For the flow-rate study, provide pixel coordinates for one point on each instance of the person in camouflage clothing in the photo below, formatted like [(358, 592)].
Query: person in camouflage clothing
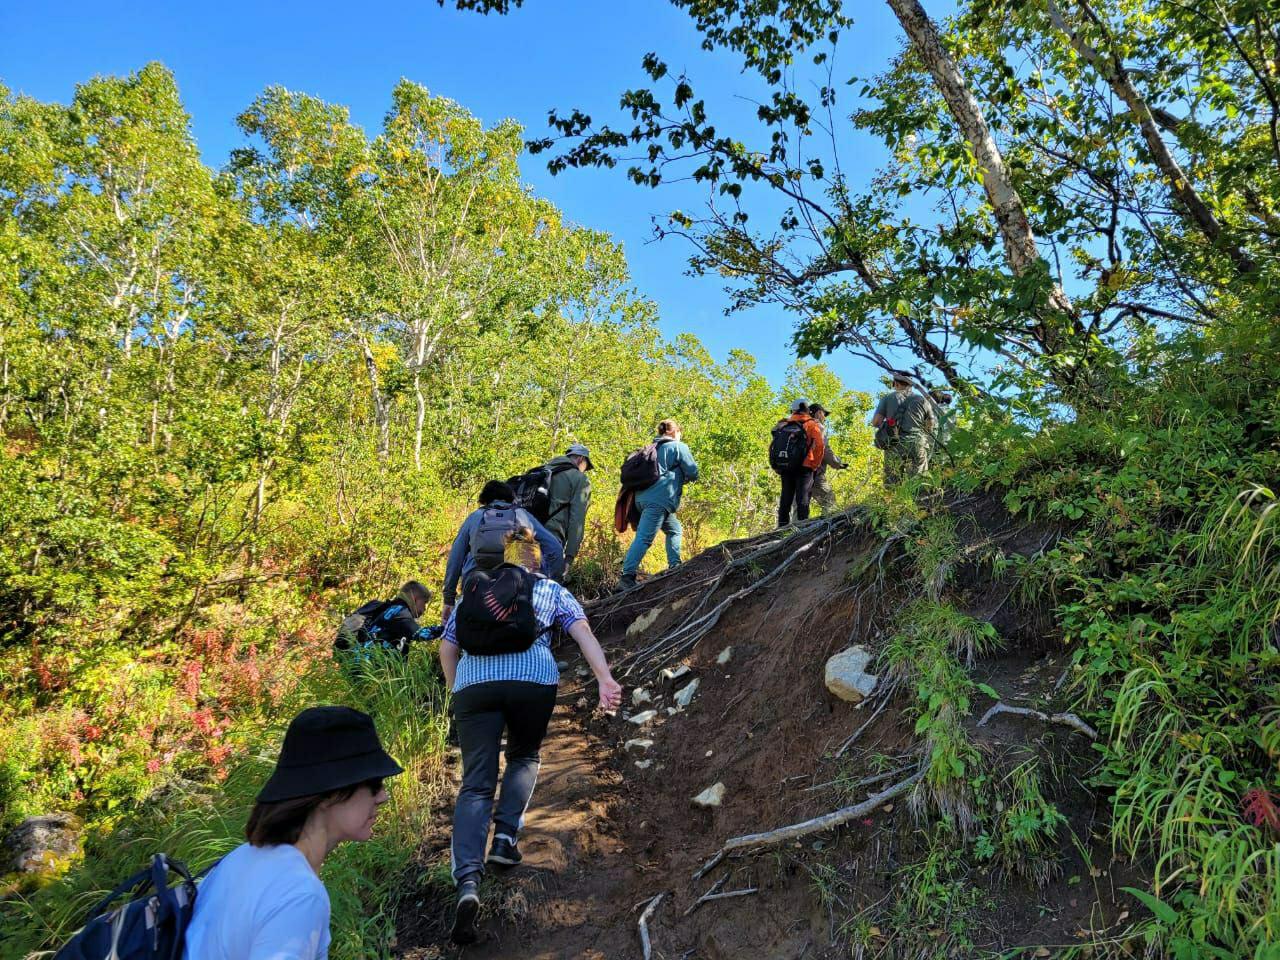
[(905, 425)]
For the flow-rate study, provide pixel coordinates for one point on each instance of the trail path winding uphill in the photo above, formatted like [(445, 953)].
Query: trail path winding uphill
[(610, 828)]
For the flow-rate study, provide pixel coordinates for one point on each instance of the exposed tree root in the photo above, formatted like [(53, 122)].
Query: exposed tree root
[(645, 944), (697, 624), (820, 824), (1066, 719)]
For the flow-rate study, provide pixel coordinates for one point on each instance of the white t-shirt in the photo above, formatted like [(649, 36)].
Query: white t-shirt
[(260, 903)]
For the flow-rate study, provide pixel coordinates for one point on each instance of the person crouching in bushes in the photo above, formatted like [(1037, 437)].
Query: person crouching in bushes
[(497, 660), (265, 898)]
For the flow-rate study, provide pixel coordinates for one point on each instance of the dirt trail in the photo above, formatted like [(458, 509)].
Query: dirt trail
[(609, 829)]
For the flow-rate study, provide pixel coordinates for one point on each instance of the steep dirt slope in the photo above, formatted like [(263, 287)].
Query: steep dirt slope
[(611, 828)]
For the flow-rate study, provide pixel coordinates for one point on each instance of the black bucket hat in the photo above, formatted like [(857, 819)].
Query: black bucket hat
[(325, 749)]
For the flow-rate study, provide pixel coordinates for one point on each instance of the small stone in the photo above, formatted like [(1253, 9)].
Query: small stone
[(640, 719), (713, 796), (640, 695), (562, 664), (888, 808), (644, 764), (847, 677), (676, 672), (38, 844), (643, 622), (638, 744), (681, 603), (725, 654), (672, 711), (684, 696), (710, 752), (582, 703), (584, 671)]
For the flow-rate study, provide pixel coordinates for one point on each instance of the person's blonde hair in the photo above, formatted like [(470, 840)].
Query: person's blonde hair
[(668, 427), (521, 548)]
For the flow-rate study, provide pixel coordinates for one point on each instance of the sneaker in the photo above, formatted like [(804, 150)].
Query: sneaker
[(504, 851), (464, 918), (627, 582)]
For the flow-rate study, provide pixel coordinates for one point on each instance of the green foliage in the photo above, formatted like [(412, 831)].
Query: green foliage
[(924, 651), (236, 404)]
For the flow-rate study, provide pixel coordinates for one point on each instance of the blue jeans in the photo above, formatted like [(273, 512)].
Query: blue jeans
[(651, 520)]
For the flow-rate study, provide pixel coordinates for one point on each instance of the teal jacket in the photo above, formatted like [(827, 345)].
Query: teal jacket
[(678, 468)]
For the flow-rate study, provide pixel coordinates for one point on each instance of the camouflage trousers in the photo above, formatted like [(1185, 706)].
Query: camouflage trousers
[(906, 458), (822, 494)]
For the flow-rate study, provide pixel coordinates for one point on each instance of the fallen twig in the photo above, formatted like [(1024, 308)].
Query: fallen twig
[(715, 888), (644, 925), (818, 824), (884, 702), (708, 866), (864, 782), (1066, 719), (707, 897)]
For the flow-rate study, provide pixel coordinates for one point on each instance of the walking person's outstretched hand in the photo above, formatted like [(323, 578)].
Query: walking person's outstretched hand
[(610, 689), (610, 694)]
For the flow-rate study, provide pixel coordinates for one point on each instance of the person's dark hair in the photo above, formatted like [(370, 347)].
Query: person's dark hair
[(271, 824), (668, 427), (496, 490), (413, 590)]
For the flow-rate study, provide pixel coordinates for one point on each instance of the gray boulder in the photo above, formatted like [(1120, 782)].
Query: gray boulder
[(38, 843), (847, 676)]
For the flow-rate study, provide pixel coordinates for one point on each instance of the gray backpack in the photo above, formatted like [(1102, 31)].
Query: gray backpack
[(489, 539)]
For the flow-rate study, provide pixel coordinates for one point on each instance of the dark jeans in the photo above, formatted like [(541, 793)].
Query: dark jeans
[(796, 488), (481, 712)]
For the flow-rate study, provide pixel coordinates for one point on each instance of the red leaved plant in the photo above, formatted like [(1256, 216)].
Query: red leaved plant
[(1259, 808)]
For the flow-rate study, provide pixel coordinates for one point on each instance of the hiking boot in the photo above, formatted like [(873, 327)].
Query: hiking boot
[(464, 917), (627, 582), (504, 851)]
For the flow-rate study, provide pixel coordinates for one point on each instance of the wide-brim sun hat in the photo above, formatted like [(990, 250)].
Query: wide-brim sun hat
[(327, 749)]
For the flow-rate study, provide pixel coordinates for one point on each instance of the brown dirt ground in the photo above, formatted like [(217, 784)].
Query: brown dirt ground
[(604, 836)]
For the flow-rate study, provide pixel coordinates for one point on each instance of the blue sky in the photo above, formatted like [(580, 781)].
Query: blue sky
[(552, 53)]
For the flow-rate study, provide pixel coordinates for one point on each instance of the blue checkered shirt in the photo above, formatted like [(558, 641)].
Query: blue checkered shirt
[(553, 605)]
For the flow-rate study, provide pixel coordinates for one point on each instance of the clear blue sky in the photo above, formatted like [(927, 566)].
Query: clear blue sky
[(552, 53)]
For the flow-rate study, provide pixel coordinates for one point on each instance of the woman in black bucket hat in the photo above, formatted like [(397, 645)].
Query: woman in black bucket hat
[(265, 898)]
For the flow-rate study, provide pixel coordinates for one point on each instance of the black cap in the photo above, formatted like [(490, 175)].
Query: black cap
[(325, 749), (815, 407)]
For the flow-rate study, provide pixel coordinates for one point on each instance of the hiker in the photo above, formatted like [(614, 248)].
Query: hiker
[(568, 496), (480, 539), (904, 423), (265, 898), (796, 452), (497, 660), (658, 502), (822, 492), (389, 624), (945, 417)]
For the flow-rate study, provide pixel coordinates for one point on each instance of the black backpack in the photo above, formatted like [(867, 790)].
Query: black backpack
[(789, 447), (533, 490), (151, 926), (496, 613), (354, 629), (642, 469)]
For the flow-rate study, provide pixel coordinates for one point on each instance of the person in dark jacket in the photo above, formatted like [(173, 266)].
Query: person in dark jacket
[(391, 624), (496, 496), (569, 496), (798, 486)]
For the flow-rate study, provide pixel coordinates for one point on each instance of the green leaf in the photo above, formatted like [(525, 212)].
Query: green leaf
[(989, 690), (1164, 913)]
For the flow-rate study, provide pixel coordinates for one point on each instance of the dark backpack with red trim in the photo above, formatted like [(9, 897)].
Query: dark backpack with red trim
[(496, 614)]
